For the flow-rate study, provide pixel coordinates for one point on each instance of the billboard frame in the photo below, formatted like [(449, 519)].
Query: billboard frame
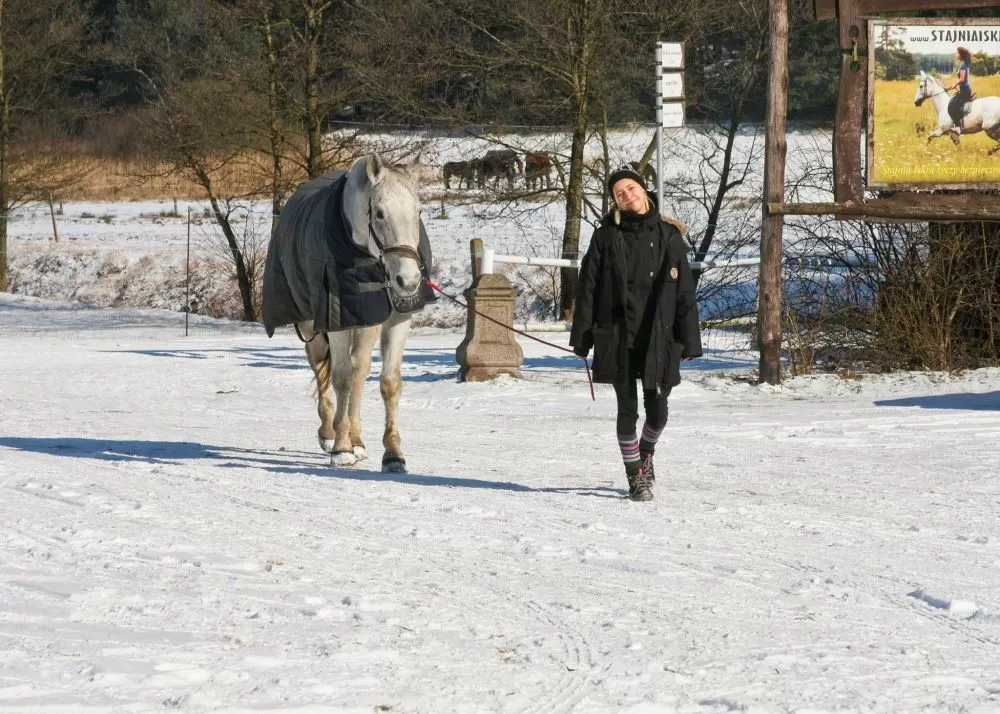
[(870, 183)]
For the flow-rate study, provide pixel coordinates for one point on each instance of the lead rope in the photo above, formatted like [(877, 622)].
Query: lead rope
[(437, 288)]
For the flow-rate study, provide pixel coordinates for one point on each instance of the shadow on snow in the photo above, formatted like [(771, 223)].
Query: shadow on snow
[(276, 461), (987, 401), (434, 364)]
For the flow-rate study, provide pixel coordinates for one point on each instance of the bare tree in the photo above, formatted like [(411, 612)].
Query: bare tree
[(549, 56), (198, 119), (40, 46)]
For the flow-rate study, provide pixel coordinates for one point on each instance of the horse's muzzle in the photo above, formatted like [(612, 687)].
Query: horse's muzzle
[(918, 102)]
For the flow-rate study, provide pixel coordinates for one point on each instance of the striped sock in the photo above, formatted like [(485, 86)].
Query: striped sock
[(649, 438), (628, 444)]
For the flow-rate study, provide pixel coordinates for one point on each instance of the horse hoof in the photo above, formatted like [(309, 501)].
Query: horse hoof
[(360, 452), (343, 458), (393, 466), (327, 445)]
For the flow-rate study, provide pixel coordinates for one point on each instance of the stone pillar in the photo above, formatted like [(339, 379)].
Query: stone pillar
[(489, 349)]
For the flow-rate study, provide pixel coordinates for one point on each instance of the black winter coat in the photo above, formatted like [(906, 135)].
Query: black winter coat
[(600, 317)]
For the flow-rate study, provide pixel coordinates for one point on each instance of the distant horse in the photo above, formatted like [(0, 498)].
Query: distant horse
[(347, 261), (462, 170), (980, 114), (497, 164), (537, 169)]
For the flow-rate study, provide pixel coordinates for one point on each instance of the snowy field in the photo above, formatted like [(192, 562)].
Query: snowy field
[(132, 253), (172, 539)]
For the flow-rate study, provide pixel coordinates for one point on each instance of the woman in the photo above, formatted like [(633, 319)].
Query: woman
[(956, 107), (636, 308)]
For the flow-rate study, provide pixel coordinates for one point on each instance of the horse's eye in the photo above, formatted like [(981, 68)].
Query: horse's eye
[(379, 214)]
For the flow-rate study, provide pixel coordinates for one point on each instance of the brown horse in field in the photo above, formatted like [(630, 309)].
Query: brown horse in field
[(501, 163), (537, 169), (462, 170)]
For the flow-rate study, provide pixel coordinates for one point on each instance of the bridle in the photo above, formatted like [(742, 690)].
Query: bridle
[(944, 90), (384, 250)]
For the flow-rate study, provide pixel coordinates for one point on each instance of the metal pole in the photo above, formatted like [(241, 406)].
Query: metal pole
[(187, 279), (659, 167), (52, 212), (658, 139)]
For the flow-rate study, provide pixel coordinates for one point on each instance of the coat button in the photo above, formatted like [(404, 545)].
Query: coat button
[(650, 275), (650, 245)]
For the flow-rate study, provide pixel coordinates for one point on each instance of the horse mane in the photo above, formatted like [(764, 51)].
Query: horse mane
[(934, 80)]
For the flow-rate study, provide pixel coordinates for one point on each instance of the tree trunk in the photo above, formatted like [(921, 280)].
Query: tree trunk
[(275, 135), (313, 120), (569, 277), (239, 260), (4, 176)]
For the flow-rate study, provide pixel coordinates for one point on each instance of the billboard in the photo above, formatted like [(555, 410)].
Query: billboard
[(923, 131)]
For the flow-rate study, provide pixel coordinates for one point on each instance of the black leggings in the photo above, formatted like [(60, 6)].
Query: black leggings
[(654, 404), (956, 106)]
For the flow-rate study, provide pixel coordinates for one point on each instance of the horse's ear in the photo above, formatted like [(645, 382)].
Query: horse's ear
[(375, 167), (922, 74)]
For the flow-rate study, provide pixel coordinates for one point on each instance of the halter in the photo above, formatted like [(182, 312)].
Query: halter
[(399, 304), (404, 250)]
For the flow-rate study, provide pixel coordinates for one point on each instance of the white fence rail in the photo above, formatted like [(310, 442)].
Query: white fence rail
[(490, 259)]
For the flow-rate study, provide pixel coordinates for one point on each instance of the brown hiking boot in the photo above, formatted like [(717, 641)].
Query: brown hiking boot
[(647, 467), (639, 487)]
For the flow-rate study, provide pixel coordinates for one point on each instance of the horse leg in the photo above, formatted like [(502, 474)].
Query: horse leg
[(394, 333), (994, 133), (318, 353), (341, 378), (361, 365)]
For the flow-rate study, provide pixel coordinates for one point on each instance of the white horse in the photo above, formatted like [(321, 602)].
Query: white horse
[(379, 213), (983, 114)]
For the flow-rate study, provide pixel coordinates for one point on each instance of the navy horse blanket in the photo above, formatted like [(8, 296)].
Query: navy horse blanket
[(315, 271)]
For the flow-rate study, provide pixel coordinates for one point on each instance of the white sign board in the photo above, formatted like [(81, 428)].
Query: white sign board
[(670, 85), (671, 115), (669, 55)]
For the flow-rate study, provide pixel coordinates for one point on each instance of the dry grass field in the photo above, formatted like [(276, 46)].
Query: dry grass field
[(106, 179), (901, 151)]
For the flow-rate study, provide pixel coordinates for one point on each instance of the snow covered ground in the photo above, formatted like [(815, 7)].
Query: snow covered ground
[(171, 538)]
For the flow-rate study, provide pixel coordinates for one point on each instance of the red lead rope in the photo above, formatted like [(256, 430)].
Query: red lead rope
[(437, 288)]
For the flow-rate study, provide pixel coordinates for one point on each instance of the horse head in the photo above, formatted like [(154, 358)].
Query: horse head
[(382, 208), (924, 89)]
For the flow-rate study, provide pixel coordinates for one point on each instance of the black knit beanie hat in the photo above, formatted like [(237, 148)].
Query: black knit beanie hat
[(625, 172)]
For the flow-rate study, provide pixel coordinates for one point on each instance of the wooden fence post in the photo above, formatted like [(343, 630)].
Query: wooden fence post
[(772, 225), (476, 257)]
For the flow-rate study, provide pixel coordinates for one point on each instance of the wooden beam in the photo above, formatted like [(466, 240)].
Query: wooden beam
[(902, 207), (824, 9), (772, 225), (827, 9), (850, 105), (870, 7)]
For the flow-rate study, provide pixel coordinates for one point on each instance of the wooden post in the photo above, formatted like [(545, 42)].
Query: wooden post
[(476, 255), (52, 212), (850, 106), (772, 226), (187, 277)]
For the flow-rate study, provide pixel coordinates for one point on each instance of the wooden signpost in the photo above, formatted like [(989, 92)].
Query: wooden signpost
[(850, 199)]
